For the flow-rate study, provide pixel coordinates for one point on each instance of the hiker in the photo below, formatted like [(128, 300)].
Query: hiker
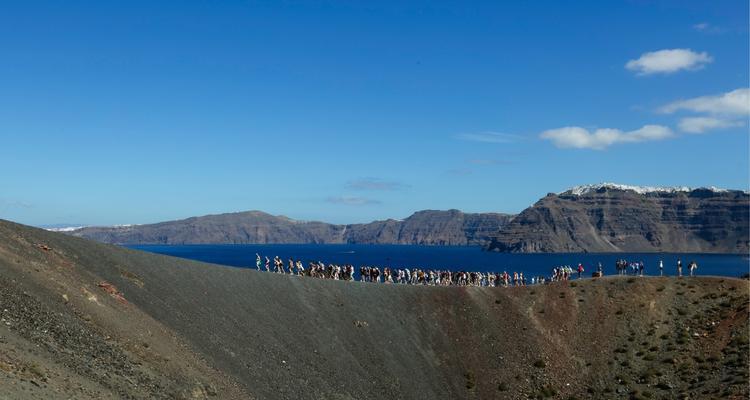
[(268, 264), (679, 267), (580, 270), (640, 268), (661, 268), (278, 264), (291, 266), (257, 261), (599, 269), (693, 267), (300, 268)]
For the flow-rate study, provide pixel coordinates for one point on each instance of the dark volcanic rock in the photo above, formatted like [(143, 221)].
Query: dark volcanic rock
[(608, 218), (451, 227)]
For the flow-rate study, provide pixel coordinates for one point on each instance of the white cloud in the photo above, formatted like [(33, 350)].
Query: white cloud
[(580, 138), (736, 102), (489, 137), (351, 200), (668, 61), (703, 124)]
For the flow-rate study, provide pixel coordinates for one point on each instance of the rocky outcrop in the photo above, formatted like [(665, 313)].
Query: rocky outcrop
[(616, 218), (430, 227)]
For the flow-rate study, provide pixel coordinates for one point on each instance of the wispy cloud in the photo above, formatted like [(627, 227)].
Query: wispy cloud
[(701, 26), (488, 161), (704, 124), (580, 138), (668, 61), (706, 27), (352, 200), (459, 172), (375, 184), (489, 137), (736, 102), (718, 111), (11, 203)]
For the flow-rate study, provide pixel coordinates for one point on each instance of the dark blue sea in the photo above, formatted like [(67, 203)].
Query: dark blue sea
[(450, 257)]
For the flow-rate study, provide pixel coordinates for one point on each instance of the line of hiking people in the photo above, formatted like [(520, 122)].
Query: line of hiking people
[(408, 276), (625, 267), (417, 276)]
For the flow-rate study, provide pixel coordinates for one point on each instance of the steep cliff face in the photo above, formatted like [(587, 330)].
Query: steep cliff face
[(451, 227), (613, 218)]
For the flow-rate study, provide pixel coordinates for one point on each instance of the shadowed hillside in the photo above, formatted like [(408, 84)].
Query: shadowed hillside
[(87, 320)]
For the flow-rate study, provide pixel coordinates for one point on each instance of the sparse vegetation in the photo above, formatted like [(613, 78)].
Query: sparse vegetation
[(471, 380)]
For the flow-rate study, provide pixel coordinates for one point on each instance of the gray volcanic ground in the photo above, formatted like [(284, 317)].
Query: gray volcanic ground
[(87, 320)]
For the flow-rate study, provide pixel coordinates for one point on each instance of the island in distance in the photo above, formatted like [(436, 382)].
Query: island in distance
[(618, 218), (593, 218), (429, 227)]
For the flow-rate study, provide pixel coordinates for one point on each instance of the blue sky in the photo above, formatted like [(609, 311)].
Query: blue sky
[(136, 112)]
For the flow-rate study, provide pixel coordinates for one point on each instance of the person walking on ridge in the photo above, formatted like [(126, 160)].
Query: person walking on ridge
[(693, 266)]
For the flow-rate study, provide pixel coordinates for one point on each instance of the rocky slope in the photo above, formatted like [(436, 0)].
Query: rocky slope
[(86, 320), (450, 227), (616, 218)]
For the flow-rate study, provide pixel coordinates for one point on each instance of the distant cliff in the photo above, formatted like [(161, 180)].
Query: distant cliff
[(617, 218), (429, 227)]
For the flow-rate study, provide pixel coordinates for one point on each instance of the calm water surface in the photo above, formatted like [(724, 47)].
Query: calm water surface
[(448, 257)]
